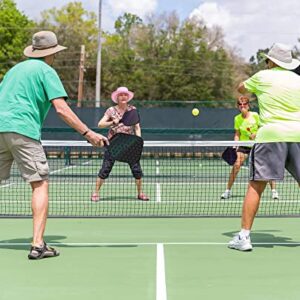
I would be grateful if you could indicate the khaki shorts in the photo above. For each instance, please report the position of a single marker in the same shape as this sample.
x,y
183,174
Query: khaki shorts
x,y
27,153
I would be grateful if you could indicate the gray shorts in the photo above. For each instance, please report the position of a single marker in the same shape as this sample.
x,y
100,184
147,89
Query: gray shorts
x,y
268,161
27,153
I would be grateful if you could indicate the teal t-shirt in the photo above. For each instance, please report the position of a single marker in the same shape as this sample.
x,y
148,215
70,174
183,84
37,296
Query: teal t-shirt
x,y
278,94
25,97
247,126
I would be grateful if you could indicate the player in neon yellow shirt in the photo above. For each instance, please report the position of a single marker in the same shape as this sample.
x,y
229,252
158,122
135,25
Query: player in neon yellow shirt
x,y
278,139
246,126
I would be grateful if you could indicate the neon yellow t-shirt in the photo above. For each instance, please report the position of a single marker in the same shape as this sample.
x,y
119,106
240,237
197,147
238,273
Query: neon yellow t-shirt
x,y
247,126
278,93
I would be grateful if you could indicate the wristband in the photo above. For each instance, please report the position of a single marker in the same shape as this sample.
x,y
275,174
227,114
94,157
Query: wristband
x,y
85,133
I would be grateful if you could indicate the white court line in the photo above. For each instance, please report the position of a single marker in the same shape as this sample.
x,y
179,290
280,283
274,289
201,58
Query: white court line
x,y
284,185
145,183
148,244
6,185
161,289
62,169
158,191
135,202
52,172
169,183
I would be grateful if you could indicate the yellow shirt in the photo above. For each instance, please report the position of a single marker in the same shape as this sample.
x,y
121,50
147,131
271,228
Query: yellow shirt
x,y
247,126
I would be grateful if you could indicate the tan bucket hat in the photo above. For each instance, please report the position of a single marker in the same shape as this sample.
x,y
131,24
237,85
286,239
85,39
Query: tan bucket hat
x,y
44,43
281,55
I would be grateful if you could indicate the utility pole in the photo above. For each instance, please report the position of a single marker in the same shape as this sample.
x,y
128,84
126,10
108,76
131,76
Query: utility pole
x,y
98,69
81,76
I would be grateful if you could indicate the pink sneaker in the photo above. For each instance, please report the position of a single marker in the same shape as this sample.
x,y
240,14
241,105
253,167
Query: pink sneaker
x,y
143,197
95,197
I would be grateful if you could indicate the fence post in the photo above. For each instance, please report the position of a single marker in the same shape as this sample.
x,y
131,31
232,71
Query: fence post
x,y
81,76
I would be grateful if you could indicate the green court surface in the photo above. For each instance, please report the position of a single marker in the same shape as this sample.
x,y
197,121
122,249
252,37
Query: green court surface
x,y
157,259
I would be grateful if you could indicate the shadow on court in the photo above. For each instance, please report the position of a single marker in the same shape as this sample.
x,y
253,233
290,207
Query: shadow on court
x,y
24,243
268,239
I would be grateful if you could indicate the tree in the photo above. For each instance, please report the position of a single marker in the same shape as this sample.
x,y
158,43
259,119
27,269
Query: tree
x,y
124,24
119,59
167,60
160,58
74,26
257,62
15,34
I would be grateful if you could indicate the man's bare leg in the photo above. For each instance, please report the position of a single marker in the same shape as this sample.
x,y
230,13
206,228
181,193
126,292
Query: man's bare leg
x,y
251,202
39,210
242,240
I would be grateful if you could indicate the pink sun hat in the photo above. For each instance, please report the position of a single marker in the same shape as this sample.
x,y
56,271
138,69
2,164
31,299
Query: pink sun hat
x,y
121,90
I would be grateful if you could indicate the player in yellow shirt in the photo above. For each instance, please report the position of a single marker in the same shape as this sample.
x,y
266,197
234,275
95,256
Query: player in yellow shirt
x,y
246,126
277,144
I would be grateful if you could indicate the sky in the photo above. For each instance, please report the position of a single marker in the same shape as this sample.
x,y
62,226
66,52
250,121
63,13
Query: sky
x,y
248,25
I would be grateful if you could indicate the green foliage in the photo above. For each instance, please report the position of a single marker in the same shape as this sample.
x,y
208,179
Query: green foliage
x,y
74,26
15,34
164,60
159,59
257,62
124,23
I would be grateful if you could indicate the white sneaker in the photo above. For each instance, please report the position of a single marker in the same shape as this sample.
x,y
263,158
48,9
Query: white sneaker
x,y
225,195
240,243
275,195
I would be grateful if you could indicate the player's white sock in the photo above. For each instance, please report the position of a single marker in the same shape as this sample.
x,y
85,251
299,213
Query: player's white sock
x,y
244,233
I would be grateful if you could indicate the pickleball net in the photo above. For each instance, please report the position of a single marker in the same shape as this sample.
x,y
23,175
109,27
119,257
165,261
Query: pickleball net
x,y
182,178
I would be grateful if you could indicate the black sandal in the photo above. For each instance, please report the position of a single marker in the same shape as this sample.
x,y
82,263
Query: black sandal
x,y
42,252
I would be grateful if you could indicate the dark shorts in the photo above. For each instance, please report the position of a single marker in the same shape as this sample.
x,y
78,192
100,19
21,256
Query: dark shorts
x,y
243,149
268,161
108,163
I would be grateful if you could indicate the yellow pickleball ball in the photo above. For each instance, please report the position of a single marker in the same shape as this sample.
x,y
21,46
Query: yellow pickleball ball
x,y
195,112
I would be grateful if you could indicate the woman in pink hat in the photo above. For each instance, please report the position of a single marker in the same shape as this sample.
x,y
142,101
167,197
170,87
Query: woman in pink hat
x,y
111,119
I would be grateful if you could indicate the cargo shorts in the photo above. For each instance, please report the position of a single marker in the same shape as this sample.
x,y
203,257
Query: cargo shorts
x,y
28,154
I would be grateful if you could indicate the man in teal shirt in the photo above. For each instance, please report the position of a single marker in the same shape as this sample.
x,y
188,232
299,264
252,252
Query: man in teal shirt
x,y
26,94
278,139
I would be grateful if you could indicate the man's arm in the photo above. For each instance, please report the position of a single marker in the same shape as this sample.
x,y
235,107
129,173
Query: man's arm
x,y
70,118
241,89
